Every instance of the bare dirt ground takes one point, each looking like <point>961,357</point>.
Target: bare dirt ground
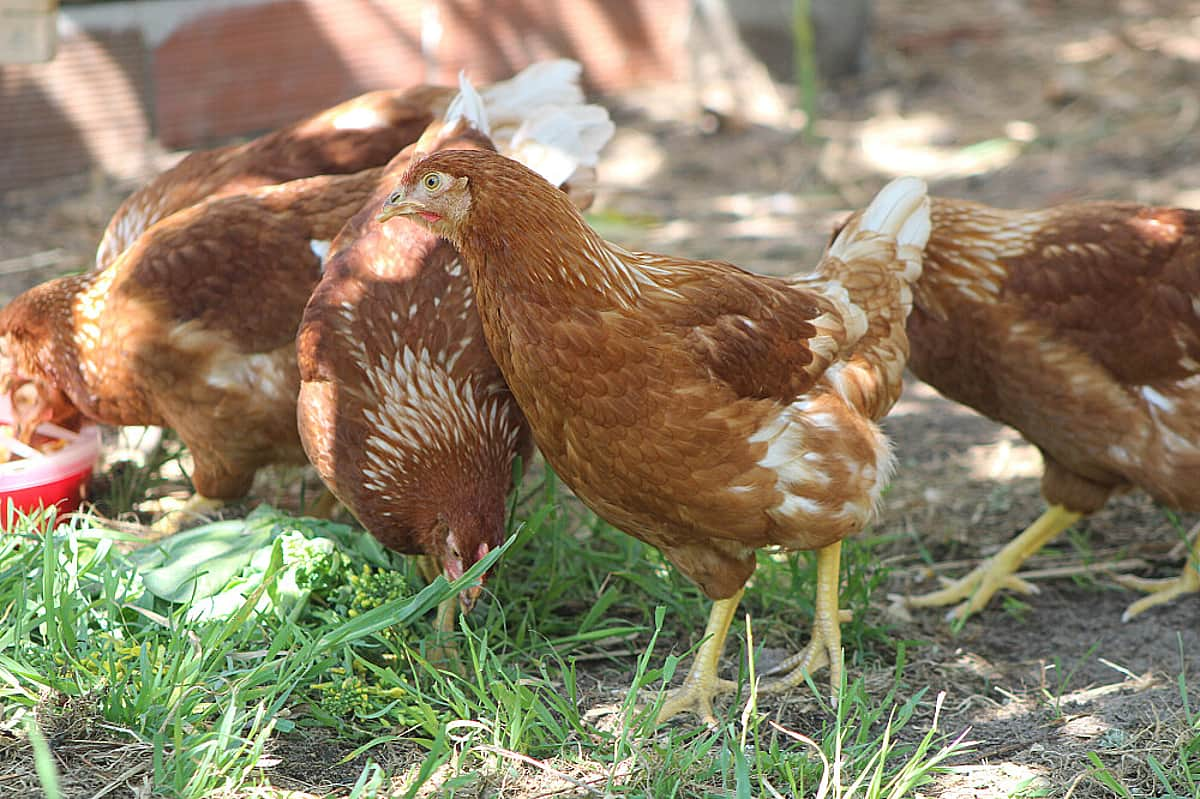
<point>1017,104</point>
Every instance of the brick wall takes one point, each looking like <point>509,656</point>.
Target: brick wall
<point>191,72</point>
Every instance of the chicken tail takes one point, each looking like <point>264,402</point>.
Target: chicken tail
<point>544,83</point>
<point>899,214</point>
<point>558,141</point>
<point>468,106</point>
<point>868,273</point>
<point>875,258</point>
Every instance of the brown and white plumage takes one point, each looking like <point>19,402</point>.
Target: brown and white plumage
<point>402,408</point>
<point>193,327</point>
<point>1078,325</point>
<point>705,410</point>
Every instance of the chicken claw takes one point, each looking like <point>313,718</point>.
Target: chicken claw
<point>444,651</point>
<point>999,571</point>
<point>702,684</point>
<point>194,508</point>
<point>1163,591</point>
<point>825,646</point>
<point>325,505</point>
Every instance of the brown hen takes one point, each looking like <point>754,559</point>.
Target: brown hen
<point>1079,326</point>
<point>707,411</point>
<point>192,327</point>
<point>402,408</point>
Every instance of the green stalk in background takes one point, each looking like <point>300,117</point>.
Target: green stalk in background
<point>804,57</point>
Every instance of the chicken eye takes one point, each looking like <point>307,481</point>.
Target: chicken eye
<point>432,181</point>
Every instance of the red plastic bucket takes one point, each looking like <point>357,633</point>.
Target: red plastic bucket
<point>59,478</point>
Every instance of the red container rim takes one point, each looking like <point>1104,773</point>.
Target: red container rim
<point>77,456</point>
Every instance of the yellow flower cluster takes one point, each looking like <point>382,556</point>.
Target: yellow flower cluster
<point>373,587</point>
<point>350,696</point>
<point>113,660</point>
<point>353,695</point>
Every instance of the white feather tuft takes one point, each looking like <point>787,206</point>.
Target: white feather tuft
<point>900,212</point>
<point>544,83</point>
<point>556,141</point>
<point>320,248</point>
<point>894,206</point>
<point>469,106</point>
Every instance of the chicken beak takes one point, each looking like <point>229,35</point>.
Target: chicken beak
<point>25,429</point>
<point>469,597</point>
<point>397,205</point>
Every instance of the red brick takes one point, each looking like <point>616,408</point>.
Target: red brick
<point>246,69</point>
<point>621,43</point>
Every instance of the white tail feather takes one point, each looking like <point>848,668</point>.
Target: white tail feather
<point>556,141</point>
<point>900,211</point>
<point>469,106</point>
<point>544,83</point>
<point>894,212</point>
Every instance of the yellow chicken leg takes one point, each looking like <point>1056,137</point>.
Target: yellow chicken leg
<point>825,646</point>
<point>324,506</point>
<point>1163,591</point>
<point>444,651</point>
<point>194,508</point>
<point>999,571</point>
<point>702,684</point>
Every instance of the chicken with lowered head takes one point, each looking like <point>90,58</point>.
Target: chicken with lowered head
<point>1079,326</point>
<point>194,325</point>
<point>402,408</point>
<point>708,411</point>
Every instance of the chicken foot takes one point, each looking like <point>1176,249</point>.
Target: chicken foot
<point>999,571</point>
<point>1164,590</point>
<point>324,506</point>
<point>197,507</point>
<point>825,646</point>
<point>444,652</point>
<point>702,683</point>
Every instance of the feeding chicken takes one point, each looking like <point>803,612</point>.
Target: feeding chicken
<point>707,411</point>
<point>193,327</point>
<point>402,409</point>
<point>364,132</point>
<point>1079,326</point>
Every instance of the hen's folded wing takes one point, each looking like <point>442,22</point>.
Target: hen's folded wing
<point>762,337</point>
<point>244,266</point>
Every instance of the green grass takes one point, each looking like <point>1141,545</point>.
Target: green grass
<point>216,650</point>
